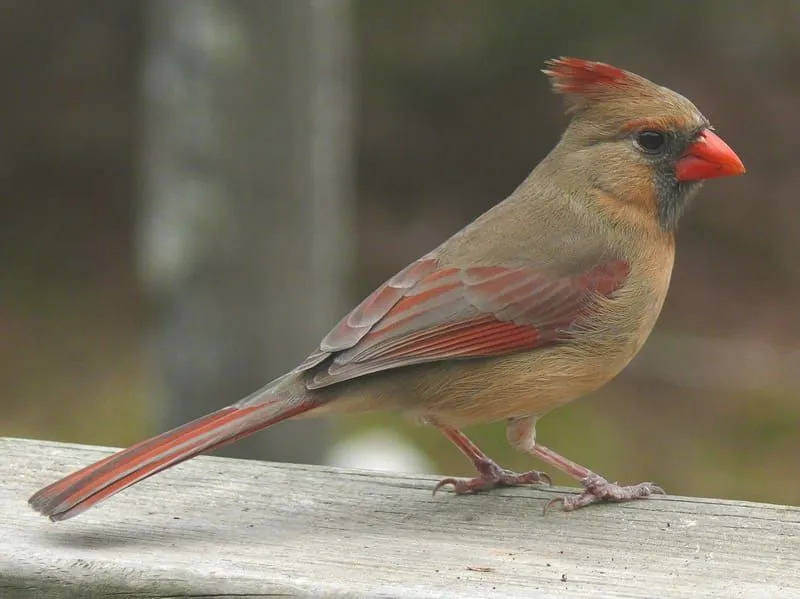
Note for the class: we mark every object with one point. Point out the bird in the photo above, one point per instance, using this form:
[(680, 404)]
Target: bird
[(542, 299)]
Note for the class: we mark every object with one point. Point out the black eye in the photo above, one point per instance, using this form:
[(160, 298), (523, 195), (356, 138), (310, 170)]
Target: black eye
[(651, 142)]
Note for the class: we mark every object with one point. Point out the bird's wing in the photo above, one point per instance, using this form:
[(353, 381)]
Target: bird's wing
[(427, 313)]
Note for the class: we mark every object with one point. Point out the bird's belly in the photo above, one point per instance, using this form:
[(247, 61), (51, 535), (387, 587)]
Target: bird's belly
[(523, 384)]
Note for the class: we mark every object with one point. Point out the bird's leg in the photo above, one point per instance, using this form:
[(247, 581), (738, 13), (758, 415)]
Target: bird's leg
[(596, 488), (491, 475)]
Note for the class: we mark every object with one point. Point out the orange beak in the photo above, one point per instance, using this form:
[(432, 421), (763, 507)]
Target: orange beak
[(707, 158)]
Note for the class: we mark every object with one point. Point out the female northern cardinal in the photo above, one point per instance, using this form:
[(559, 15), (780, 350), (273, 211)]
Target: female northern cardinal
[(545, 297)]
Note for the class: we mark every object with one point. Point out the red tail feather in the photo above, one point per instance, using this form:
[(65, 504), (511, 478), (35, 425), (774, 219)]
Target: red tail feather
[(81, 490)]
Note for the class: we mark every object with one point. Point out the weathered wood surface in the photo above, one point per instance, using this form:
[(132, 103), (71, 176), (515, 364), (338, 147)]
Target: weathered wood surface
[(217, 527)]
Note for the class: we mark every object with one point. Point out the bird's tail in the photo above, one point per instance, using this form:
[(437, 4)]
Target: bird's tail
[(89, 486)]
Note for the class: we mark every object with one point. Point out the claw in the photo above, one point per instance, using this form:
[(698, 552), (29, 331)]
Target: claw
[(551, 503), (445, 482), (597, 489), (493, 476)]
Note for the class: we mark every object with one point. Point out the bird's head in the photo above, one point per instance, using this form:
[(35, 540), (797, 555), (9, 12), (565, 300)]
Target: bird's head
[(637, 142)]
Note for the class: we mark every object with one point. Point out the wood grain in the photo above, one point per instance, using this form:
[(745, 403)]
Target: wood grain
[(216, 527)]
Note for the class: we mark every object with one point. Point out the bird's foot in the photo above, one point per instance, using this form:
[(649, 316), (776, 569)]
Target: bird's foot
[(493, 476), (597, 489)]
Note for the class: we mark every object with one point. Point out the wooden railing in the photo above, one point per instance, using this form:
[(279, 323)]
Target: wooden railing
[(216, 527)]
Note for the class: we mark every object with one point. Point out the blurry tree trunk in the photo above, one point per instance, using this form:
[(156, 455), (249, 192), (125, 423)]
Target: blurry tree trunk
[(246, 222)]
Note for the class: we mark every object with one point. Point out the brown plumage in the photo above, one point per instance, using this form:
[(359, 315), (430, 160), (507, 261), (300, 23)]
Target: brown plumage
[(542, 299)]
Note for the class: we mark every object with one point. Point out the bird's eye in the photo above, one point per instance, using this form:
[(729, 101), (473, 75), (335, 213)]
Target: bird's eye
[(651, 142)]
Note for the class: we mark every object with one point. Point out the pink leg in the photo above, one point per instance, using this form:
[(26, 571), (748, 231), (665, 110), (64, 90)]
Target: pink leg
[(491, 475), (596, 488)]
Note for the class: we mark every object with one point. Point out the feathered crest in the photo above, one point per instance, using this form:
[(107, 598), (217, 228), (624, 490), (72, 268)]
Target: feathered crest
[(581, 80)]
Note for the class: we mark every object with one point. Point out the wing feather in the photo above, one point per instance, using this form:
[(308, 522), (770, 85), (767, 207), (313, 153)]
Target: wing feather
[(426, 313)]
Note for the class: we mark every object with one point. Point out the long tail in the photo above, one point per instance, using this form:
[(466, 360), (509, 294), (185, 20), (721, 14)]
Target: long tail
[(81, 490)]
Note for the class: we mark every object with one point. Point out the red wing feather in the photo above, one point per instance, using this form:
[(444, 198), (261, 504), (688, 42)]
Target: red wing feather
[(426, 313)]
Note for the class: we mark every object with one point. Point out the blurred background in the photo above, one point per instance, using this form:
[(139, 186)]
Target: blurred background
[(195, 192)]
